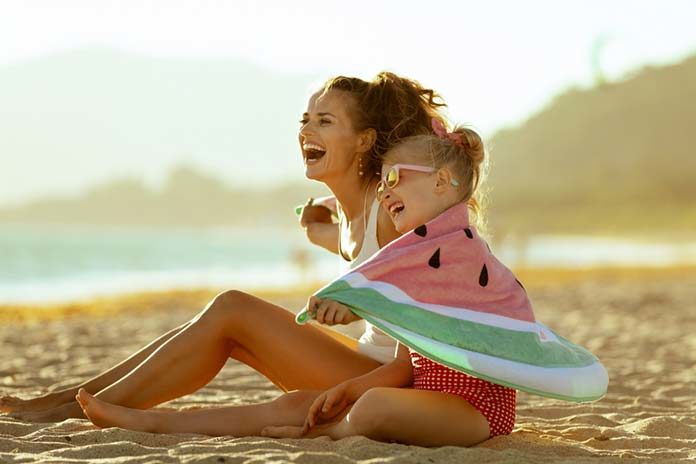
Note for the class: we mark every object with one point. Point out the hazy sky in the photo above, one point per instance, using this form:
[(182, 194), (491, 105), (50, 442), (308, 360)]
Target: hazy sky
[(495, 62)]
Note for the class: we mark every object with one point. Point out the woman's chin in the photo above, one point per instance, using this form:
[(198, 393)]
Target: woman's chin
[(315, 170), (320, 172), (314, 174)]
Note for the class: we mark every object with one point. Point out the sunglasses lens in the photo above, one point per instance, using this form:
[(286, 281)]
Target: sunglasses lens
[(392, 178), (380, 190)]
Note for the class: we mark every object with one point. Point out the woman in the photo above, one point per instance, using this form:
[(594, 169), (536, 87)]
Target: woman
[(347, 126)]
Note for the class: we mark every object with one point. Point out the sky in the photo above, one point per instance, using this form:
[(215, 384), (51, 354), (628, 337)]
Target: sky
[(495, 62)]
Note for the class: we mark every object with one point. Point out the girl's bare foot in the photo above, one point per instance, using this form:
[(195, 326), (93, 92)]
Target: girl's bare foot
[(103, 414), (10, 403), (57, 414), (292, 431), (282, 431)]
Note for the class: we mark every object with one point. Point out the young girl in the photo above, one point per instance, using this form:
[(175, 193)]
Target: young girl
[(423, 177)]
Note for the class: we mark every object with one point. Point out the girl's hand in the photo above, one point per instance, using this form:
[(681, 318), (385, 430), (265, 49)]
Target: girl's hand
[(329, 404), (330, 312)]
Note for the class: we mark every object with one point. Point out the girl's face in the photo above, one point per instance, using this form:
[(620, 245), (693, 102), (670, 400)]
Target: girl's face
[(328, 140), (417, 198)]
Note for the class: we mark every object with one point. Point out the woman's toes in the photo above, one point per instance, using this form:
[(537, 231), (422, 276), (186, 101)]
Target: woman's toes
[(10, 403), (58, 414)]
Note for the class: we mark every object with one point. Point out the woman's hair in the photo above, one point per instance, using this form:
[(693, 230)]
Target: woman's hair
[(396, 107), (465, 157)]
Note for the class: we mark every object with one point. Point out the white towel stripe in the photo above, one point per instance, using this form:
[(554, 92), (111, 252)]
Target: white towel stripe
[(357, 280)]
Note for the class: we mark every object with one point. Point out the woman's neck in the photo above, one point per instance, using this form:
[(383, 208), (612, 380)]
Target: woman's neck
[(351, 194)]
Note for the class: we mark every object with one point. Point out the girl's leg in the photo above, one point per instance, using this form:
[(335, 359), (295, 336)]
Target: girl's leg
[(239, 421), (263, 335), (57, 398), (414, 417)]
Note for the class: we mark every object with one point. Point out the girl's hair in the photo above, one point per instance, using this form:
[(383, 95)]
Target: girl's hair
[(396, 107), (466, 158)]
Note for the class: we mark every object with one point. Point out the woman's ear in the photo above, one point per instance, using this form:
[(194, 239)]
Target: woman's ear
[(367, 140)]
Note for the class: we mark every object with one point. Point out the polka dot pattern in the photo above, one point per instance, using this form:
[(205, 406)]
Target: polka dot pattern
[(495, 402)]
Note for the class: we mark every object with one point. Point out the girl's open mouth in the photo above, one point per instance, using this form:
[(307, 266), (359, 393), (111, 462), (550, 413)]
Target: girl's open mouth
[(395, 209)]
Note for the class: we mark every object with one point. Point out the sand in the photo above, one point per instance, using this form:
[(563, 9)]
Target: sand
[(642, 324)]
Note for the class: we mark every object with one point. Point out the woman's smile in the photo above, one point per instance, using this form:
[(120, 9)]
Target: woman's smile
[(312, 152)]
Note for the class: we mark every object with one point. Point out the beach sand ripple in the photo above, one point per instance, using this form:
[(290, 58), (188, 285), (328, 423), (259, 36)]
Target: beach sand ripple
[(643, 328)]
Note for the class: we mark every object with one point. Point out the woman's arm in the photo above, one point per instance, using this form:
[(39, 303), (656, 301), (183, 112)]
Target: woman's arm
[(323, 234), (319, 227)]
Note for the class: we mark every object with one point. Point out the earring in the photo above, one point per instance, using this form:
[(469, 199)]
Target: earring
[(360, 167)]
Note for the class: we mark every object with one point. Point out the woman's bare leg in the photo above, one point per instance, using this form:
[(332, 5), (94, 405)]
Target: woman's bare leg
[(101, 381), (414, 417), (261, 334), (239, 421)]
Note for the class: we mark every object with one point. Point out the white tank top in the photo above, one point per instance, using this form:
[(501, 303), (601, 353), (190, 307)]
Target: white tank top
[(373, 342)]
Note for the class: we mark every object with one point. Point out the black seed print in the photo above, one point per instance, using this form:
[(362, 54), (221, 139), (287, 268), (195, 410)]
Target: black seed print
[(435, 259), (421, 231), (483, 278), (468, 233)]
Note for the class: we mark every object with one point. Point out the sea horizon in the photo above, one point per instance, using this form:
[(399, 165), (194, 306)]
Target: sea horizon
[(58, 264)]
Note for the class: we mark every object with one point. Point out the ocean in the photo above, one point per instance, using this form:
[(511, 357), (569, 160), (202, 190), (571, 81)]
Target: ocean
[(57, 264)]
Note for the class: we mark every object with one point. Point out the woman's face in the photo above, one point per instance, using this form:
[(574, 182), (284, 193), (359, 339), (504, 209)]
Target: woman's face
[(328, 140)]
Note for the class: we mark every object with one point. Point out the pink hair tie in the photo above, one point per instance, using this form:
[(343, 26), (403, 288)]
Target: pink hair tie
[(441, 132)]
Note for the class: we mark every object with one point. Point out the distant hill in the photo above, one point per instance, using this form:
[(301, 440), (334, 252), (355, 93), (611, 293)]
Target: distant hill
[(187, 198), (614, 159), (619, 158)]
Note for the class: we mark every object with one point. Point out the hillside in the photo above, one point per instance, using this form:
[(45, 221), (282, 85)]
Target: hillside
[(613, 159), (618, 158), (188, 198)]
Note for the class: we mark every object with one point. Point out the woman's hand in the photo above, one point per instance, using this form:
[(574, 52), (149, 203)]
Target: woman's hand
[(312, 214), (318, 224), (330, 404), (330, 312)]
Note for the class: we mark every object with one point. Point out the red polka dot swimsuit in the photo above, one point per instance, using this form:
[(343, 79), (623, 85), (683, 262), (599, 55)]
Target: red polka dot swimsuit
[(495, 402)]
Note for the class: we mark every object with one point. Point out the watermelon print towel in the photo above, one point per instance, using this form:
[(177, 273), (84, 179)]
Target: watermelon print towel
[(439, 290)]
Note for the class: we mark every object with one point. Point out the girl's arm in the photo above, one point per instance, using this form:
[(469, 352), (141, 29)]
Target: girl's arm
[(398, 373), (332, 402)]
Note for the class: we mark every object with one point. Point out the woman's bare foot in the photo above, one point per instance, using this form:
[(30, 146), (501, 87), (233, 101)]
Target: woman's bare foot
[(103, 414), (57, 414), (10, 403)]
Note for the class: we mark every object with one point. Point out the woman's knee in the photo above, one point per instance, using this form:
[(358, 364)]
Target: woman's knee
[(225, 308)]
